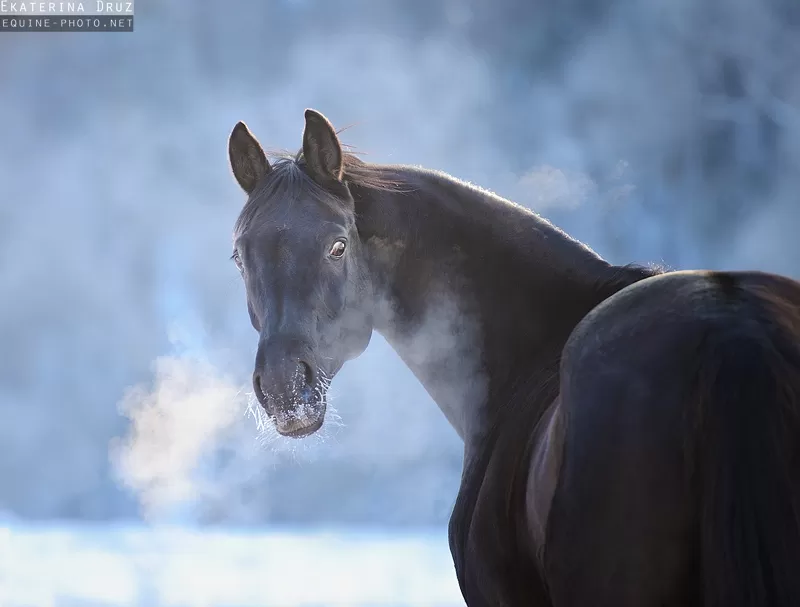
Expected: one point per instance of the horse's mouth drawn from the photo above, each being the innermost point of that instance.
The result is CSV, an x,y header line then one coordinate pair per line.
x,y
296,429
302,419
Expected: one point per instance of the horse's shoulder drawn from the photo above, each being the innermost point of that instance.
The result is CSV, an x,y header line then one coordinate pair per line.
x,y
489,528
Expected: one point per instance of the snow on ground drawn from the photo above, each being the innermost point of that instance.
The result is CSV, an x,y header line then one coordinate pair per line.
x,y
111,566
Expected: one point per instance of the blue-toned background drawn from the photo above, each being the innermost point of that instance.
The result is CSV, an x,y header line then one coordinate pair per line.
x,y
665,131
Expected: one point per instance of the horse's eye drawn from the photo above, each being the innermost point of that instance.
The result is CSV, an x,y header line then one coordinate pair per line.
x,y
337,248
237,260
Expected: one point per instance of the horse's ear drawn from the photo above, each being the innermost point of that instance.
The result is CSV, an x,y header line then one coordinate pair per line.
x,y
321,148
248,161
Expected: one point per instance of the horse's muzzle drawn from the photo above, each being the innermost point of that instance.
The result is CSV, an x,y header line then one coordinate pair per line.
x,y
286,384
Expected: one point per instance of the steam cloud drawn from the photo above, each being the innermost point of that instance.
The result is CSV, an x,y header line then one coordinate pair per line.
x,y
174,428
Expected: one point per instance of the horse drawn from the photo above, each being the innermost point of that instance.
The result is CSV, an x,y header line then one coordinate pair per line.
x,y
631,434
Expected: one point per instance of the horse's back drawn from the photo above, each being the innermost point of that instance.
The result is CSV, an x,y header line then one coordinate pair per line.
x,y
683,298
628,375
653,320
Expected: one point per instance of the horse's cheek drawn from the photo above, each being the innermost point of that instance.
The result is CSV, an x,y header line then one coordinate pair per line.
x,y
335,297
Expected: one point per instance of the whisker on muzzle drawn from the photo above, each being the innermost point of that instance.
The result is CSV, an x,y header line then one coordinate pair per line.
x,y
268,437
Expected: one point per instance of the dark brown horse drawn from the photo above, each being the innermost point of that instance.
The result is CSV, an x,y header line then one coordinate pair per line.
x,y
631,437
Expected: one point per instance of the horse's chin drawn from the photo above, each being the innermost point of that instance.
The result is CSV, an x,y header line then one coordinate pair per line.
x,y
301,422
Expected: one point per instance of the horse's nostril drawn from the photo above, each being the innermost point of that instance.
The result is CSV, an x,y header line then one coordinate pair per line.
x,y
305,370
257,386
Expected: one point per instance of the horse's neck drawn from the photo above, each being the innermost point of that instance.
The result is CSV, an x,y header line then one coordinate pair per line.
x,y
471,291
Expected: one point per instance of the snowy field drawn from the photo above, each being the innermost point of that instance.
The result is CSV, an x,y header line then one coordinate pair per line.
x,y
105,566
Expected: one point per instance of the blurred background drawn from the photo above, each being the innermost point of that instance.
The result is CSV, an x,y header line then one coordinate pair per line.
x,y
662,131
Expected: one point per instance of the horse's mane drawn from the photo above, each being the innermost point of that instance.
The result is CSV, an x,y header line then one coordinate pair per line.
x,y
288,176
354,170
617,278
